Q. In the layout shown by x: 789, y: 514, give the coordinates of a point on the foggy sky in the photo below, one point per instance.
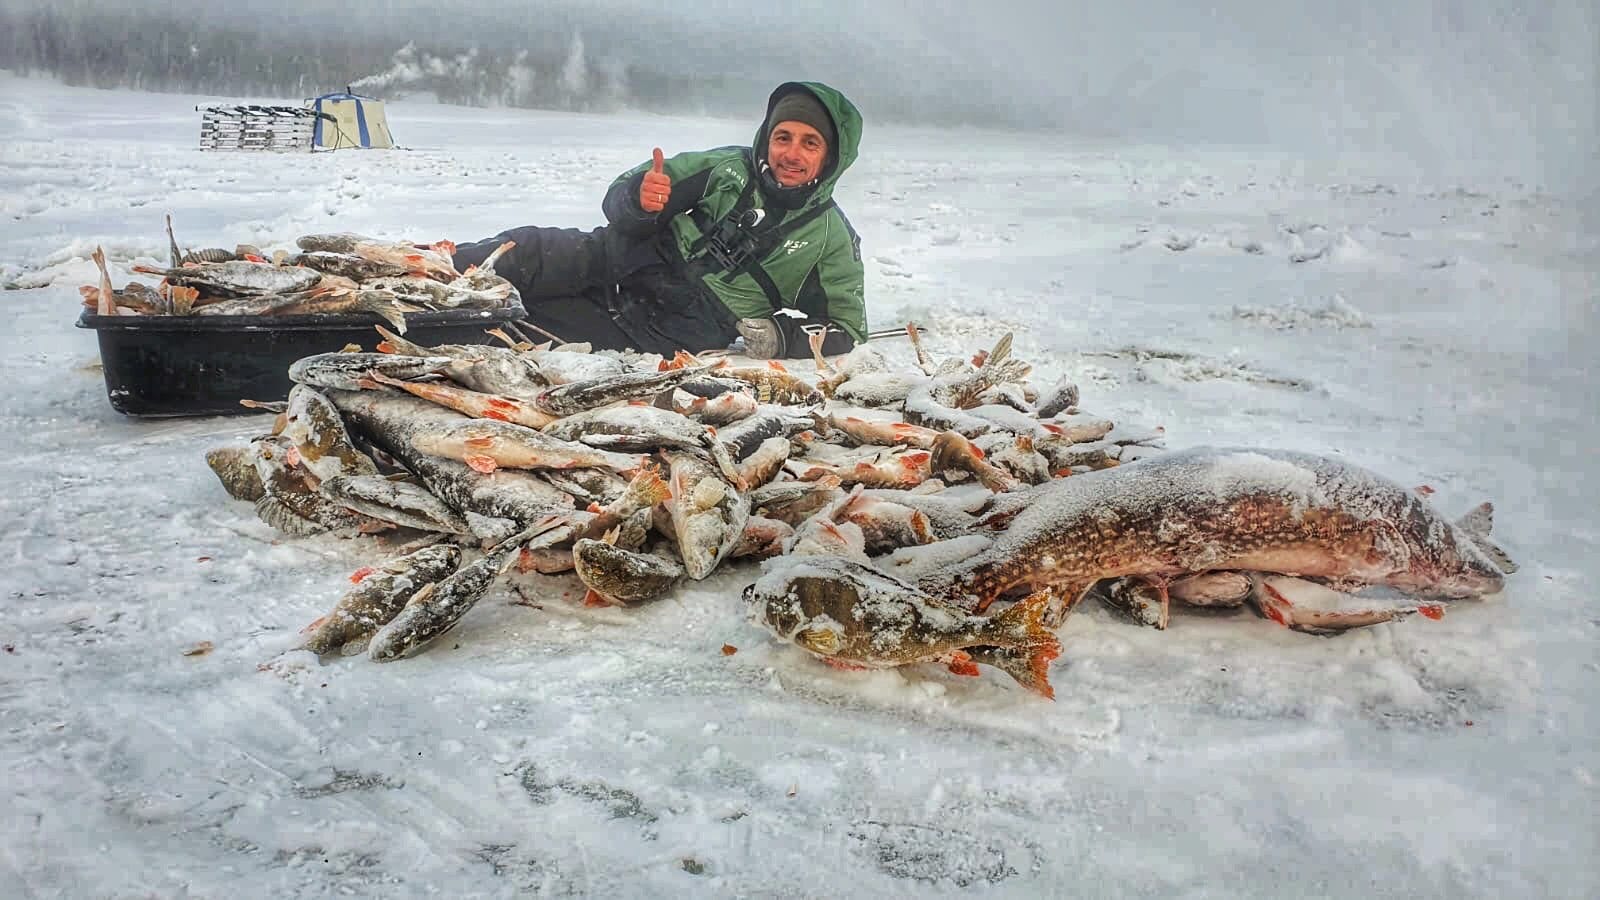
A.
x: 1483, y: 84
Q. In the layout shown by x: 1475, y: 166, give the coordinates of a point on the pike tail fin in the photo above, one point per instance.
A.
x: 1028, y: 646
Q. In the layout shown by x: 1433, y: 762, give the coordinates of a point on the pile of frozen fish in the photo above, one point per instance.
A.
x: 890, y: 506
x: 331, y: 274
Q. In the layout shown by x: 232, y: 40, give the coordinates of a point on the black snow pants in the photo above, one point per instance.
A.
x: 591, y: 286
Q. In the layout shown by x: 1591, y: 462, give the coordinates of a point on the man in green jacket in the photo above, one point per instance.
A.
x: 704, y: 247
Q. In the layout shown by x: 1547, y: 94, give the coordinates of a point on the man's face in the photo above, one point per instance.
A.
x: 796, y: 152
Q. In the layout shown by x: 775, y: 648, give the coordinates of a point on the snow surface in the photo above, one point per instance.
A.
x: 1443, y: 333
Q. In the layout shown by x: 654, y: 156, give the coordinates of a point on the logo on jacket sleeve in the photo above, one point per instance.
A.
x: 791, y: 246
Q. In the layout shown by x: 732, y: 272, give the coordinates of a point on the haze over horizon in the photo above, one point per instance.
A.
x: 1480, y: 85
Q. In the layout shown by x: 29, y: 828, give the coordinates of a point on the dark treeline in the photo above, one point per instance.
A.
x: 156, y: 51
x: 560, y: 63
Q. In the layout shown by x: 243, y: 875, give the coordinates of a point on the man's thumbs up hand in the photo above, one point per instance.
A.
x: 656, y: 189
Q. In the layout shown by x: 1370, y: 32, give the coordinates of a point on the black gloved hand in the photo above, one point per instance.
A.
x: 789, y: 337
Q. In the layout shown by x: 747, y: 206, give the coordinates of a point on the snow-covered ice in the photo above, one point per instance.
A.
x: 1442, y: 332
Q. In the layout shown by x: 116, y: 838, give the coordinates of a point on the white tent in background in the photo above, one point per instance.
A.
x: 349, y: 120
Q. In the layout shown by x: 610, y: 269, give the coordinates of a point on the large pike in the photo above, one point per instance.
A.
x: 1205, y: 509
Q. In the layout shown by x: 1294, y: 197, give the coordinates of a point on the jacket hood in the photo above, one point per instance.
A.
x: 846, y: 125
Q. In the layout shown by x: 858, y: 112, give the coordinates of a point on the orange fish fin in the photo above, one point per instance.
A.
x: 360, y: 574
x: 1432, y: 610
x: 960, y: 663
x: 484, y: 464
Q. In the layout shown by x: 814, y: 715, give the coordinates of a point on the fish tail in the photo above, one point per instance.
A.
x: 1031, y: 670
x: 1027, y: 646
x: 387, y: 310
x: 647, y: 488
x: 398, y: 344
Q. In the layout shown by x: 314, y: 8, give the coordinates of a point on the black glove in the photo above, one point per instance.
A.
x: 789, y: 337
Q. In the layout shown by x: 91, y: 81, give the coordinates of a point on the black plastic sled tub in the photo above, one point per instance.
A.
x: 204, y: 365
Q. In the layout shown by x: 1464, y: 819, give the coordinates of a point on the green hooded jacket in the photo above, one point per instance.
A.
x: 814, y: 268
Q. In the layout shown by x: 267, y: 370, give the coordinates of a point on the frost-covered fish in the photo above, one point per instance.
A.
x: 577, y: 396
x: 645, y: 491
x: 239, y: 277
x: 1061, y: 397
x: 899, y: 468
x: 882, y: 433
x: 708, y: 514
x: 320, y: 441
x: 321, y: 301
x: 475, y: 404
x: 434, y: 261
x: 567, y: 366
x: 1314, y: 608
x: 375, y: 600
x: 500, y: 371
x: 762, y: 538
x: 235, y: 467
x: 334, y: 242
x: 772, y: 383
x: 744, y: 436
x: 345, y: 265
x: 289, y: 501
x: 436, y: 608
x: 723, y: 409
x: 398, y: 502
x: 886, y: 525
x: 344, y: 371
x: 1205, y: 509
x: 793, y: 501
x: 587, y: 485
x: 1148, y: 601
x: 487, y: 445
x: 764, y: 464
x: 862, y: 360
x: 513, y: 498
x: 881, y: 389
x: 639, y: 428
x: 854, y: 616
x: 1016, y: 456
x: 952, y: 451
x: 623, y: 576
